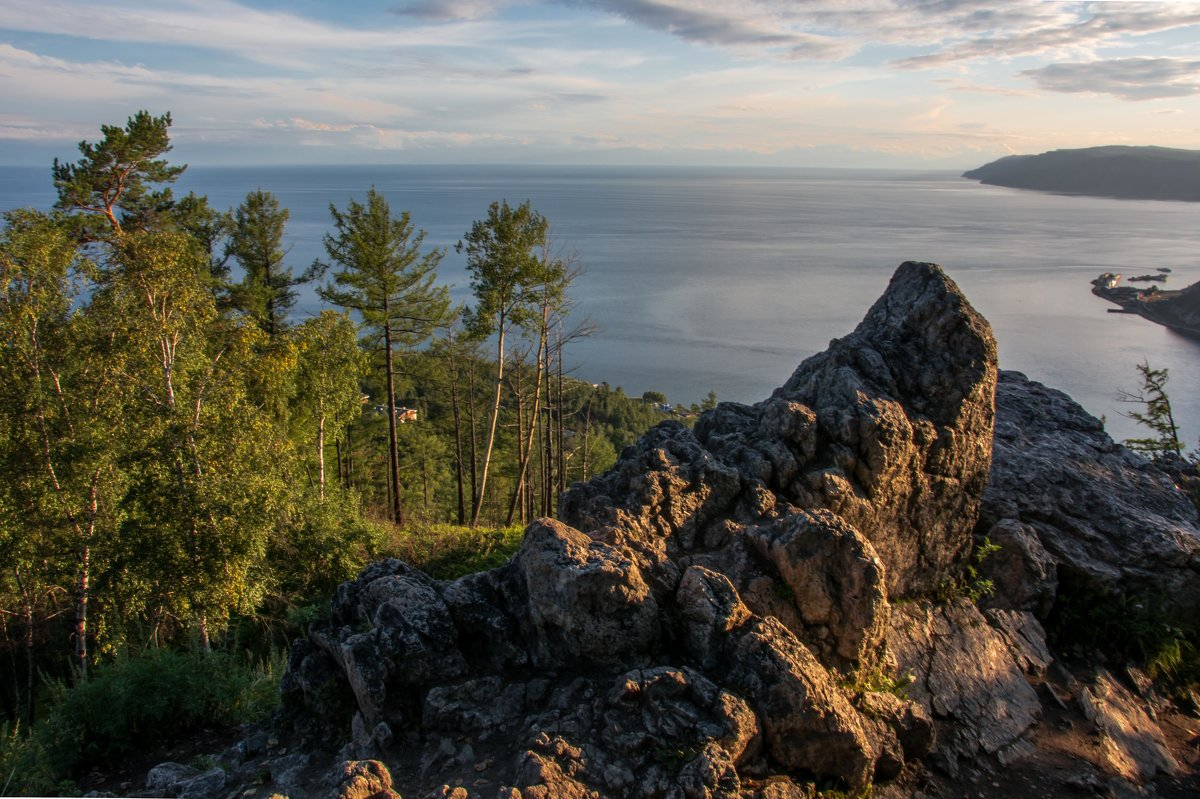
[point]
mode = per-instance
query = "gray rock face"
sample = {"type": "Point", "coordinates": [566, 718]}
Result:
{"type": "Point", "coordinates": [1082, 514]}
{"type": "Point", "coordinates": [697, 622]}
{"type": "Point", "coordinates": [965, 677]}
{"type": "Point", "coordinates": [904, 411]}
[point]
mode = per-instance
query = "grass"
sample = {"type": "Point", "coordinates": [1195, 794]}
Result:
{"type": "Point", "coordinates": [448, 551]}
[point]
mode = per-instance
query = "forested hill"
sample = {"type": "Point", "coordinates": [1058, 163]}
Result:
{"type": "Point", "coordinates": [1134, 173]}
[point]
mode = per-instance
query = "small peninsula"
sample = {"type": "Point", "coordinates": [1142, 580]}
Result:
{"type": "Point", "coordinates": [1178, 310]}
{"type": "Point", "coordinates": [1131, 173]}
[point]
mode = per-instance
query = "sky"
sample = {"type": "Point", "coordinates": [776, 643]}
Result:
{"type": "Point", "coordinates": [837, 83]}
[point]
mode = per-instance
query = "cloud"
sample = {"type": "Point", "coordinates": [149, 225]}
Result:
{"type": "Point", "coordinates": [269, 37]}
{"type": "Point", "coordinates": [730, 25]}
{"type": "Point", "coordinates": [1126, 78]}
{"type": "Point", "coordinates": [953, 30]}
{"type": "Point", "coordinates": [1053, 27]}
{"type": "Point", "coordinates": [313, 133]}
{"type": "Point", "coordinates": [447, 10]}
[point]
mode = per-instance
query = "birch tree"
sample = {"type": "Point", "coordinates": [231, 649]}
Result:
{"type": "Point", "coordinates": [502, 259]}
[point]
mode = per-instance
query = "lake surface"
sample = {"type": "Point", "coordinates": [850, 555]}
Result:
{"type": "Point", "coordinates": [726, 279]}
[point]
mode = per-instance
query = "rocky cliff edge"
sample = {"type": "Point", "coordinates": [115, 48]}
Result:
{"type": "Point", "coordinates": [787, 598]}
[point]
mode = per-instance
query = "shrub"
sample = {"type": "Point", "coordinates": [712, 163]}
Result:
{"type": "Point", "coordinates": [137, 703]}
{"type": "Point", "coordinates": [1127, 628]}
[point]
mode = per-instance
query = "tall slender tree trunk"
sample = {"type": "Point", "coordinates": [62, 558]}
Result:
{"type": "Point", "coordinates": [458, 445]}
{"type": "Point", "coordinates": [205, 641]}
{"type": "Point", "coordinates": [393, 442]}
{"type": "Point", "coordinates": [548, 484]}
{"type": "Point", "coordinates": [562, 457]}
{"type": "Point", "coordinates": [587, 429]}
{"type": "Point", "coordinates": [519, 483]}
{"type": "Point", "coordinates": [83, 594]}
{"type": "Point", "coordinates": [527, 441]}
{"type": "Point", "coordinates": [491, 440]}
{"type": "Point", "coordinates": [474, 436]}
{"type": "Point", "coordinates": [321, 449]}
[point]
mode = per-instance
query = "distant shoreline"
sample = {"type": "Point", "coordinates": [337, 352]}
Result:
{"type": "Point", "coordinates": [1117, 172]}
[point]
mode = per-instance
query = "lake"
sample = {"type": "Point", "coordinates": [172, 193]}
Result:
{"type": "Point", "coordinates": [725, 279]}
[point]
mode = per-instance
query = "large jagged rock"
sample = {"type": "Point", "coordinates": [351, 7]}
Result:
{"type": "Point", "coordinates": [890, 428]}
{"type": "Point", "coordinates": [1075, 512]}
{"type": "Point", "coordinates": [699, 620]}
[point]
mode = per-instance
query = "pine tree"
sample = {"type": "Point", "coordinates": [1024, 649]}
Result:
{"type": "Point", "coordinates": [502, 258]}
{"type": "Point", "coordinates": [1157, 415]}
{"type": "Point", "coordinates": [256, 242]}
{"type": "Point", "coordinates": [386, 280]}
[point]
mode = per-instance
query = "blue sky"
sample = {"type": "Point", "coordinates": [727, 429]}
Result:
{"type": "Point", "coordinates": [878, 83]}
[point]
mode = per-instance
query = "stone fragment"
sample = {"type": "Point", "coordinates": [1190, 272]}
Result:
{"type": "Point", "coordinates": [965, 676]}
{"type": "Point", "coordinates": [1131, 743]}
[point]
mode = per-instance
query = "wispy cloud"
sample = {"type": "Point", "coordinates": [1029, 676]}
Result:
{"type": "Point", "coordinates": [1058, 30]}
{"type": "Point", "coordinates": [1126, 78]}
{"type": "Point", "coordinates": [446, 10]}
{"type": "Point", "coordinates": [734, 25]}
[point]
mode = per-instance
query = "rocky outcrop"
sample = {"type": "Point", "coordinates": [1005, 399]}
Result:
{"type": "Point", "coordinates": [777, 599]}
{"type": "Point", "coordinates": [1077, 514]}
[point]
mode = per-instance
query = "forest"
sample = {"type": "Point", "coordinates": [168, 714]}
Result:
{"type": "Point", "coordinates": [189, 469]}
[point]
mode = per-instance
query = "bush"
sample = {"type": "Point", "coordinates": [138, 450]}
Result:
{"type": "Point", "coordinates": [1128, 629]}
{"type": "Point", "coordinates": [24, 767]}
{"type": "Point", "coordinates": [138, 703]}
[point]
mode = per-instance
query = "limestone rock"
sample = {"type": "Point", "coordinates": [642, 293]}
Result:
{"type": "Point", "coordinates": [361, 779]}
{"type": "Point", "coordinates": [692, 625]}
{"type": "Point", "coordinates": [587, 600]}
{"type": "Point", "coordinates": [168, 779]}
{"type": "Point", "coordinates": [904, 407]}
{"type": "Point", "coordinates": [807, 722]}
{"type": "Point", "coordinates": [832, 577]}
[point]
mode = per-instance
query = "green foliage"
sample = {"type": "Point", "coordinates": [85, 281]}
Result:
{"type": "Point", "coordinates": [191, 473]}
{"type": "Point", "coordinates": [1127, 628]}
{"type": "Point", "coordinates": [116, 175]}
{"type": "Point", "coordinates": [448, 551]}
{"type": "Point", "coordinates": [654, 397]}
{"type": "Point", "coordinates": [1157, 415]}
{"type": "Point", "coordinates": [383, 276]}
{"type": "Point", "coordinates": [323, 542]}
{"type": "Point", "coordinates": [137, 703]}
{"type": "Point", "coordinates": [970, 583]}
{"type": "Point", "coordinates": [25, 768]}
{"type": "Point", "coordinates": [256, 242]}
{"type": "Point", "coordinates": [505, 269]}
{"type": "Point", "coordinates": [873, 678]}
{"type": "Point", "coordinates": [619, 417]}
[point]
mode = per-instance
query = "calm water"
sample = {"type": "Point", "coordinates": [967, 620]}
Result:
{"type": "Point", "coordinates": [725, 279]}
